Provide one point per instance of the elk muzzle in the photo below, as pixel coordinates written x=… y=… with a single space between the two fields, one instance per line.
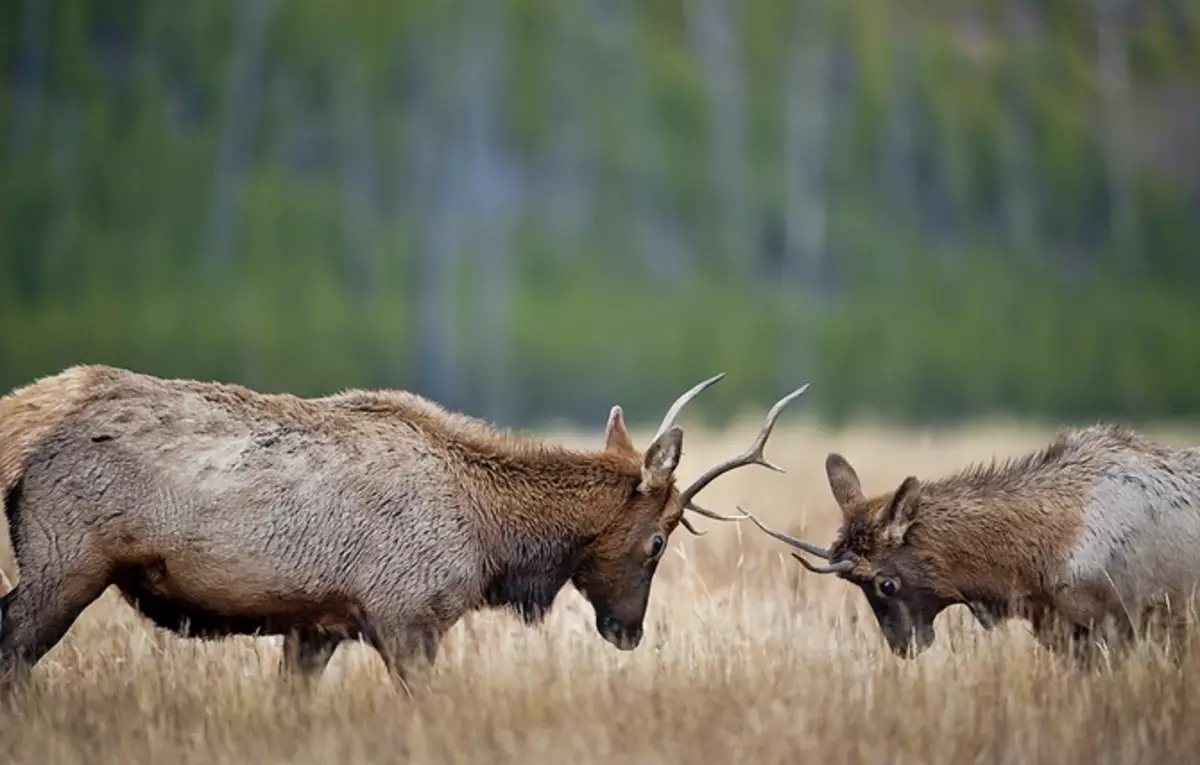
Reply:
x=909 y=642
x=619 y=593
x=624 y=635
x=906 y=626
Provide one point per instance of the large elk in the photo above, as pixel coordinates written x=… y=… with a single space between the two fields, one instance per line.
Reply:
x=216 y=510
x=1094 y=539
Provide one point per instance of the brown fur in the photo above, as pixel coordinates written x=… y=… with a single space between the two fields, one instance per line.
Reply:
x=217 y=510
x=1084 y=538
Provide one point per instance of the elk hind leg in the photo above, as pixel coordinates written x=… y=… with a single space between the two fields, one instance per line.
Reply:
x=38 y=613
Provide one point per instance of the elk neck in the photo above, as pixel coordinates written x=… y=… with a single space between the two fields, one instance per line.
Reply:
x=1002 y=547
x=539 y=509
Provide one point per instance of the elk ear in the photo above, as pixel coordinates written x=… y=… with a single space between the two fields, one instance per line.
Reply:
x=902 y=510
x=660 y=461
x=616 y=437
x=843 y=481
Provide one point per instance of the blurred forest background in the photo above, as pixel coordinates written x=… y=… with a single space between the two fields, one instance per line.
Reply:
x=531 y=209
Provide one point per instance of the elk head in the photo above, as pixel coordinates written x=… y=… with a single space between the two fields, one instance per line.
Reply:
x=618 y=566
x=876 y=551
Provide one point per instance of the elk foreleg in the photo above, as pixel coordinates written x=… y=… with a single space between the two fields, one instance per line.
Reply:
x=1090 y=645
x=407 y=648
x=306 y=653
x=1062 y=636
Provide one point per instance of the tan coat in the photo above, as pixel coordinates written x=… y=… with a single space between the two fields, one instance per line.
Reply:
x=217 y=510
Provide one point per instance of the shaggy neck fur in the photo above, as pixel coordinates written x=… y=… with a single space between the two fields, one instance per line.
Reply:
x=1002 y=530
x=539 y=511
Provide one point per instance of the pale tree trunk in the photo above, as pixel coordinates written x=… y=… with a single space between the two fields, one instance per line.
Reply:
x=659 y=243
x=31 y=106
x=436 y=348
x=713 y=30
x=948 y=200
x=358 y=162
x=29 y=74
x=1021 y=192
x=491 y=190
x=1113 y=66
x=567 y=180
x=898 y=170
x=806 y=100
x=239 y=115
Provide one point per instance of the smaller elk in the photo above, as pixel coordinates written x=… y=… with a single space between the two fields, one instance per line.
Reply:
x=216 y=510
x=1094 y=540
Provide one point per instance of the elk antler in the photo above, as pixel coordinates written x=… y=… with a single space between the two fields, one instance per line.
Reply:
x=840 y=567
x=752 y=456
x=681 y=402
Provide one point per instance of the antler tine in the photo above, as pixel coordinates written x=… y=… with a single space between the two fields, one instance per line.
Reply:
x=752 y=456
x=683 y=521
x=707 y=514
x=672 y=413
x=710 y=514
x=835 y=568
x=807 y=547
x=840 y=567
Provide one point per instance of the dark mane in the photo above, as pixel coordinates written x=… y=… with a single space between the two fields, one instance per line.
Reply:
x=529 y=588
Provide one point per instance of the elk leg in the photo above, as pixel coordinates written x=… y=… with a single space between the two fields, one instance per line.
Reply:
x=1180 y=633
x=1063 y=637
x=39 y=612
x=1169 y=628
x=306 y=653
x=1083 y=644
x=404 y=648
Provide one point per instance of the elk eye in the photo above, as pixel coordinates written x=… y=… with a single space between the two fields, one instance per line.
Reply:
x=656 y=545
x=887 y=587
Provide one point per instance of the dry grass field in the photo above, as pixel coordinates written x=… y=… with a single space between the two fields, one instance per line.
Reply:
x=747 y=658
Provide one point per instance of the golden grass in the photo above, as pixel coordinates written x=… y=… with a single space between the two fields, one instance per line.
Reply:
x=747 y=659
